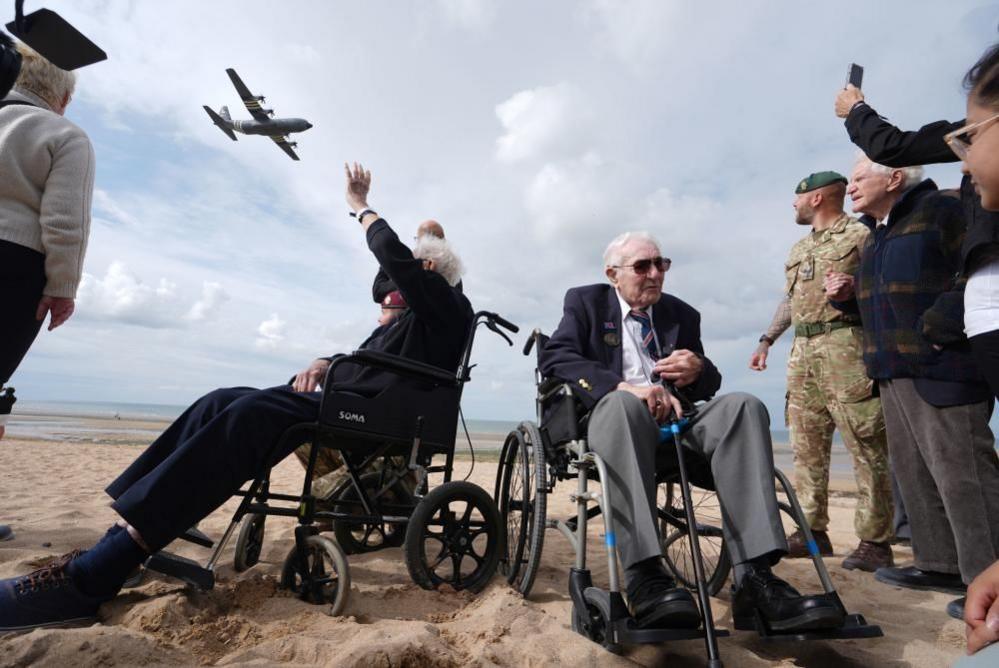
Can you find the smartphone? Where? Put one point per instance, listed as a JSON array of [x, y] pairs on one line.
[[856, 75]]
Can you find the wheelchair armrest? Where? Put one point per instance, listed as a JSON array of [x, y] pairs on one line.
[[398, 364]]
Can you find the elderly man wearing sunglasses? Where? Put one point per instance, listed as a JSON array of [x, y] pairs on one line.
[[616, 345]]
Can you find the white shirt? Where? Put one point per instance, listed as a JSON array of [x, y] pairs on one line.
[[981, 301], [636, 364]]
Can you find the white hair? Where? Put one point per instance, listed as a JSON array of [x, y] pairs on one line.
[[910, 175], [614, 254], [42, 78], [446, 261]]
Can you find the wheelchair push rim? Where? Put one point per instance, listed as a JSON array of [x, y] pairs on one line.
[[454, 538], [522, 506]]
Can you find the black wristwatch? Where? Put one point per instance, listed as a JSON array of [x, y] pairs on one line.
[[362, 214], [767, 339]]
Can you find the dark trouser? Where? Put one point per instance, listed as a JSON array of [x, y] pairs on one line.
[[948, 473], [900, 518], [727, 447], [22, 279], [225, 438], [985, 348]]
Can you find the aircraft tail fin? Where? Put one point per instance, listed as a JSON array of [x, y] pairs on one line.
[[223, 124], [224, 113]]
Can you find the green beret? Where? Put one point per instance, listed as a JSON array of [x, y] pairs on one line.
[[818, 180]]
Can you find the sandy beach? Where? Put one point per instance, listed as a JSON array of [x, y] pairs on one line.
[[53, 496]]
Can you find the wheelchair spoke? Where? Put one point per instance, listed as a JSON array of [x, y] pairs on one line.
[[456, 564]]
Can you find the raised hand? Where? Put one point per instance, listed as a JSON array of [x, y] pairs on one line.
[[358, 185]]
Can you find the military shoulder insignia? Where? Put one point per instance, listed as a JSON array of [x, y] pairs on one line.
[[612, 339], [585, 384]]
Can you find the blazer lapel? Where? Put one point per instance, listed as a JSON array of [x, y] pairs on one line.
[[667, 329]]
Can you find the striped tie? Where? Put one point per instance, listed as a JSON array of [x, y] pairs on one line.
[[648, 338]]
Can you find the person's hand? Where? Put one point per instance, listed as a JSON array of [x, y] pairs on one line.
[[838, 286], [758, 362], [659, 401], [846, 98], [981, 609], [60, 308], [681, 368], [358, 185], [311, 378]]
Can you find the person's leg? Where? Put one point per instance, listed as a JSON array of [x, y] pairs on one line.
[[900, 518], [22, 279], [205, 468], [985, 348], [811, 426], [624, 435]]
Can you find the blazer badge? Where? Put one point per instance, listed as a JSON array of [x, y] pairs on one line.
[[585, 384], [612, 339]]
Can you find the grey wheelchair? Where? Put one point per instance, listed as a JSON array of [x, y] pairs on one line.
[[451, 533], [537, 455]]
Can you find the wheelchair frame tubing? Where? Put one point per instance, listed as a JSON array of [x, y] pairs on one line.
[[799, 516]]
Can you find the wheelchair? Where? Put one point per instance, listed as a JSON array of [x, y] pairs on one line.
[[537, 455], [451, 534]]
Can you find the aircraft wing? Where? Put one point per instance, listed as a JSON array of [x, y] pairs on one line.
[[285, 146], [251, 101]]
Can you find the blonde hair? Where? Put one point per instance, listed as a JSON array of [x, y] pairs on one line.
[[40, 77]]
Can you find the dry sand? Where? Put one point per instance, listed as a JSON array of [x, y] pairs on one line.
[[52, 495]]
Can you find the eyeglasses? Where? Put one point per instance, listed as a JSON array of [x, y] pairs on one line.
[[644, 266], [960, 140]]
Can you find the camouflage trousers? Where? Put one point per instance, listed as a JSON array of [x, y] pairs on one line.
[[827, 389], [330, 471]]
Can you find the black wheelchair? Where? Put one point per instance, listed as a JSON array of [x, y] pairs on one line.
[[452, 534], [537, 455]]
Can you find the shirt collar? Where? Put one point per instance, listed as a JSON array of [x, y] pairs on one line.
[[625, 309], [26, 96]]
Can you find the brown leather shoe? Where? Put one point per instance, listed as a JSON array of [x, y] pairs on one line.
[[797, 549], [869, 557]]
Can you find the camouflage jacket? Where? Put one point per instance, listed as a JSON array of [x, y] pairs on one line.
[[834, 249]]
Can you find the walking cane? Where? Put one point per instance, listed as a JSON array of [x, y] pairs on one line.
[[675, 425]]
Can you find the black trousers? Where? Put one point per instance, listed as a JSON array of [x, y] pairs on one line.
[[22, 279], [985, 348], [224, 439]]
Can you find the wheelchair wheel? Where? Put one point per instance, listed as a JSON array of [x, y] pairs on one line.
[[592, 623], [454, 538], [522, 507], [360, 538], [323, 578], [249, 542], [675, 537]]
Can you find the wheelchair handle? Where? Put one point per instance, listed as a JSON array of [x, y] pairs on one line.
[[529, 344], [501, 321]]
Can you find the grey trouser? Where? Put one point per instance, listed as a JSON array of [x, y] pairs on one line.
[[729, 439], [948, 473]]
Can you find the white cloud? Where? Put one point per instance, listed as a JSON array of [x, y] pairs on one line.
[[469, 14], [636, 31], [568, 198], [213, 295], [541, 122], [271, 332]]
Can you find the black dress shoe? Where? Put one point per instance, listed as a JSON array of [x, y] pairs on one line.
[[956, 608], [780, 605], [663, 605], [911, 577]]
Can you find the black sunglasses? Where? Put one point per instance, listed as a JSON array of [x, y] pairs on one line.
[[644, 266]]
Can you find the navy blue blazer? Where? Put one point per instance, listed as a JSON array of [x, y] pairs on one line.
[[585, 348]]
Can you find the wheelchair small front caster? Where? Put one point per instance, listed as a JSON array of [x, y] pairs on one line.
[[249, 543], [322, 577], [594, 622], [454, 538]]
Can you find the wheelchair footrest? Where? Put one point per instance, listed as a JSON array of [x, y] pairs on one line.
[[629, 633], [182, 568], [854, 626], [196, 536]]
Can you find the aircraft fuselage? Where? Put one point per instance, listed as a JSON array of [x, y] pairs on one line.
[[277, 127]]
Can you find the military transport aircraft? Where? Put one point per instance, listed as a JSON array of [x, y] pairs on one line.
[[263, 122]]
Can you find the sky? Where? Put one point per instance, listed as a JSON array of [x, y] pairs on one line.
[[535, 132]]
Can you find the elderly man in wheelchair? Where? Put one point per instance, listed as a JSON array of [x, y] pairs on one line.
[[231, 436], [628, 351]]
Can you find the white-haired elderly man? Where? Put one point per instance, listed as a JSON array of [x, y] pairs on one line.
[[615, 345], [229, 435], [936, 404]]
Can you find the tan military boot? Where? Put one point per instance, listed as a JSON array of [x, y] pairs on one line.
[[869, 557], [796, 547]]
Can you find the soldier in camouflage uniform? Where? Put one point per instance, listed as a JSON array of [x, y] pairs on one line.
[[827, 385]]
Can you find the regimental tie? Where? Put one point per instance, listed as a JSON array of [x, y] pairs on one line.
[[648, 336]]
